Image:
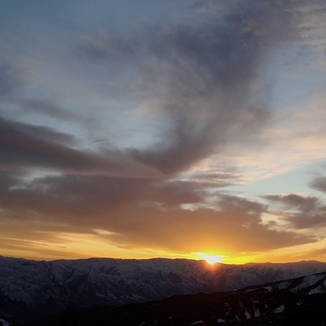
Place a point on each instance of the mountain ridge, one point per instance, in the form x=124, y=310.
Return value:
x=36, y=289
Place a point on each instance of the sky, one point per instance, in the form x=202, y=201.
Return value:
x=151, y=128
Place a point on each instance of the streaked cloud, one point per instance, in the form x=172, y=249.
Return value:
x=302, y=212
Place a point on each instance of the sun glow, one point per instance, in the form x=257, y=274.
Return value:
x=211, y=259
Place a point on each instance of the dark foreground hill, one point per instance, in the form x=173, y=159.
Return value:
x=300, y=301
x=31, y=290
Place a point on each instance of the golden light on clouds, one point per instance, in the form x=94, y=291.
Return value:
x=78, y=246
x=211, y=259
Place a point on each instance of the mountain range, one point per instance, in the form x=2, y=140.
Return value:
x=31, y=290
x=299, y=302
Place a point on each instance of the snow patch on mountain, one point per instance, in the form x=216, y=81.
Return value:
x=279, y=309
x=4, y=322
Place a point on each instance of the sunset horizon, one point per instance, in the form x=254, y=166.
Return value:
x=209, y=258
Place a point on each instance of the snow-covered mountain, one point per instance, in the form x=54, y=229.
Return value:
x=33, y=289
x=299, y=301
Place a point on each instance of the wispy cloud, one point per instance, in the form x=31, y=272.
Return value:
x=27, y=147
x=49, y=109
x=302, y=212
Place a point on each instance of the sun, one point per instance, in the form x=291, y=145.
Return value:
x=211, y=259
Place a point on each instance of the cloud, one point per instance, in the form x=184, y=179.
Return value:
x=319, y=183
x=140, y=214
x=302, y=212
x=9, y=79
x=211, y=178
x=25, y=147
x=48, y=109
x=206, y=77
x=236, y=225
x=302, y=203
x=175, y=193
x=203, y=77
x=82, y=197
